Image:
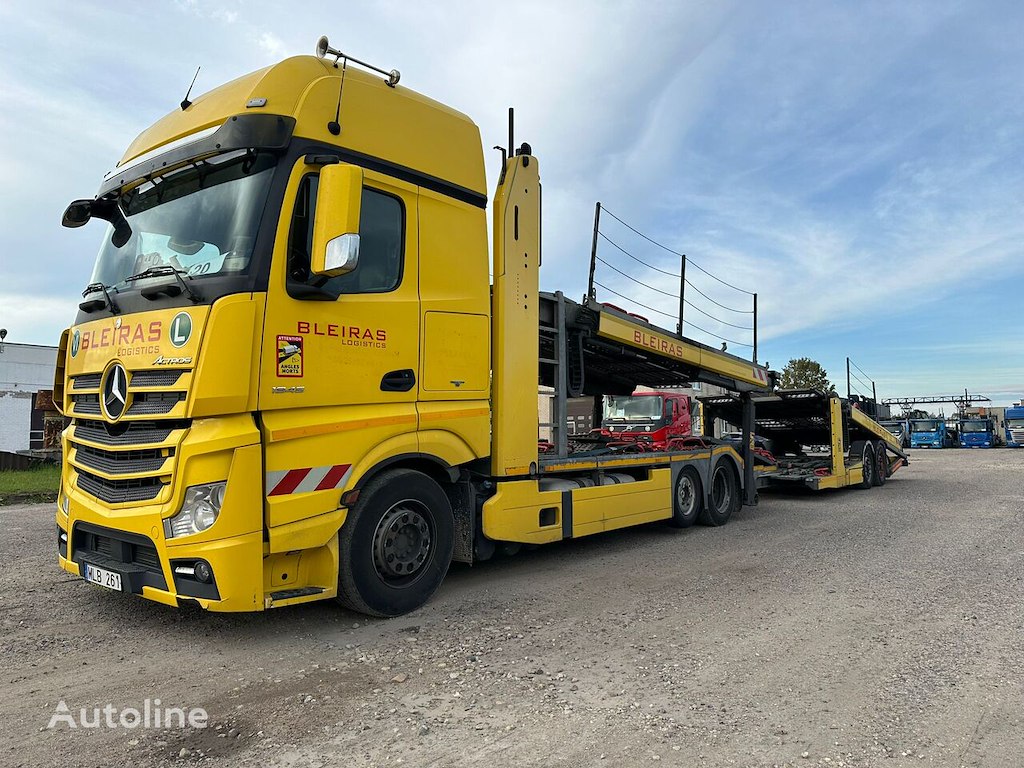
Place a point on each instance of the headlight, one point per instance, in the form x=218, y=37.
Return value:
x=198, y=512
x=64, y=503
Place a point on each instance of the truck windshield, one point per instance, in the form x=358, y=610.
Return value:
x=1015, y=423
x=974, y=426
x=629, y=408
x=925, y=426
x=201, y=220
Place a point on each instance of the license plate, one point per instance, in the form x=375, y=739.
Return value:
x=103, y=577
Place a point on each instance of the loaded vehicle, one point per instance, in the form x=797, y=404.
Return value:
x=1013, y=426
x=977, y=432
x=931, y=433
x=651, y=420
x=292, y=379
x=858, y=451
x=900, y=428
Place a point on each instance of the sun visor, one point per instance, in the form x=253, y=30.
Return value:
x=266, y=132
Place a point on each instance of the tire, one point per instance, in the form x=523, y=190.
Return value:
x=864, y=452
x=509, y=548
x=724, y=497
x=687, y=498
x=881, y=464
x=396, y=545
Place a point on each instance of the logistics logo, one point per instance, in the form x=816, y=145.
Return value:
x=115, y=392
x=76, y=342
x=181, y=329
x=289, y=356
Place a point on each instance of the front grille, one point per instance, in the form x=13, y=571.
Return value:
x=88, y=405
x=86, y=381
x=165, y=377
x=130, y=554
x=127, y=432
x=152, y=403
x=119, y=491
x=121, y=462
x=143, y=442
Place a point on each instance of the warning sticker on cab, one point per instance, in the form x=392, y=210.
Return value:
x=289, y=356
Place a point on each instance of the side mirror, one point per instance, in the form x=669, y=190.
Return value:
x=77, y=214
x=336, y=222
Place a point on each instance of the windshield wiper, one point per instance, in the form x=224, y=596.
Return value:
x=93, y=304
x=160, y=271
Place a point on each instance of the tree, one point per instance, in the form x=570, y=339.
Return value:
x=804, y=373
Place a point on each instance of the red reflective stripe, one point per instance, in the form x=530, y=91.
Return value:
x=290, y=482
x=333, y=477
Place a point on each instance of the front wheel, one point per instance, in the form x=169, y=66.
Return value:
x=395, y=547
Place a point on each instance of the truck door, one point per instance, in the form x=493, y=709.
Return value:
x=340, y=354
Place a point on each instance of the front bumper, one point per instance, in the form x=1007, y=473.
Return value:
x=152, y=569
x=129, y=539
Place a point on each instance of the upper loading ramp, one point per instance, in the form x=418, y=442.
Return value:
x=611, y=352
x=795, y=417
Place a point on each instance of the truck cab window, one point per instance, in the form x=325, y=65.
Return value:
x=381, y=230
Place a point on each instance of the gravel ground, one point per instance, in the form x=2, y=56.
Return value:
x=853, y=628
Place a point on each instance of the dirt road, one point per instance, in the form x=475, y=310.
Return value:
x=859, y=628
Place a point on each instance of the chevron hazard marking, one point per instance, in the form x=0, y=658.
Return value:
x=288, y=481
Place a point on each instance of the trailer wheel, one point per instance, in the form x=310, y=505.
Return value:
x=725, y=494
x=881, y=463
x=688, y=499
x=396, y=545
x=864, y=452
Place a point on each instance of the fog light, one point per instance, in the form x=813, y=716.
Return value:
x=203, y=572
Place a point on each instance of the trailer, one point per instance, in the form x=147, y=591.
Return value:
x=819, y=440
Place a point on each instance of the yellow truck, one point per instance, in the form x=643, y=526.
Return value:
x=292, y=378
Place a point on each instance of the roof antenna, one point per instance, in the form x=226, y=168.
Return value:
x=334, y=126
x=185, y=103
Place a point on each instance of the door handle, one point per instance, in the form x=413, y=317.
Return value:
x=398, y=381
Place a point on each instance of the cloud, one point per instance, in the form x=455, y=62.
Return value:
x=855, y=166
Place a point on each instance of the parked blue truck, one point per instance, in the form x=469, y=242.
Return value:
x=931, y=433
x=1013, y=427
x=978, y=432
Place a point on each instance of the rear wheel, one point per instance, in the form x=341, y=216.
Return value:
x=688, y=498
x=881, y=463
x=725, y=494
x=864, y=452
x=395, y=547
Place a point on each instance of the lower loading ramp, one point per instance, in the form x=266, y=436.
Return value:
x=817, y=439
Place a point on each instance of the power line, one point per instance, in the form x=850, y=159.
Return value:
x=666, y=248
x=670, y=274
x=671, y=317
x=859, y=369
x=698, y=290
x=673, y=296
x=634, y=258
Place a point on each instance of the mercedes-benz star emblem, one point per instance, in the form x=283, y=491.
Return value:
x=115, y=392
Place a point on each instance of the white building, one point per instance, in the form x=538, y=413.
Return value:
x=24, y=370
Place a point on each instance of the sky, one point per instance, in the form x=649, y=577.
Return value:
x=858, y=165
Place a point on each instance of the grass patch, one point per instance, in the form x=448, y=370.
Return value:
x=42, y=481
